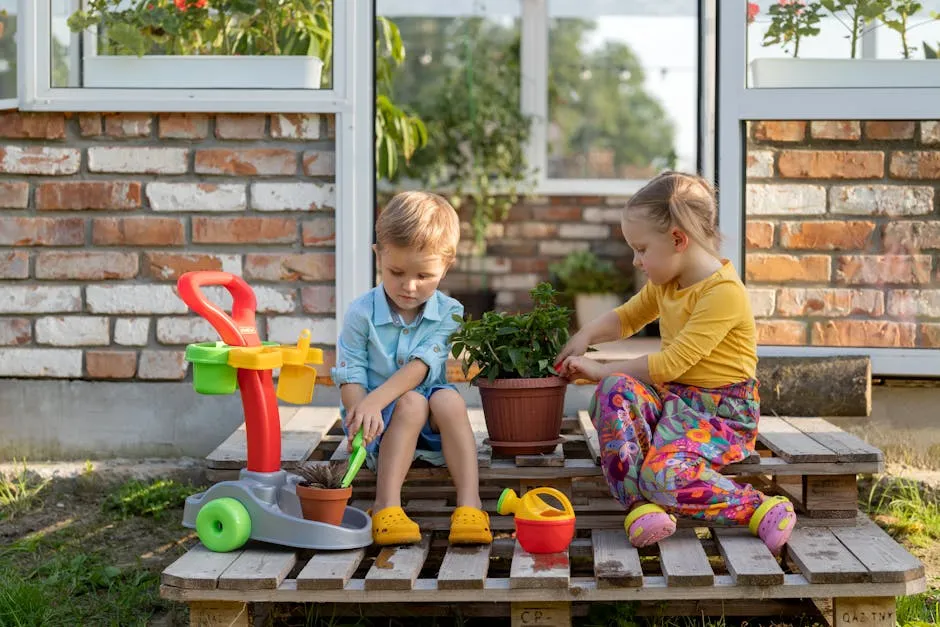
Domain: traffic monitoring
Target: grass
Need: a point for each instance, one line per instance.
(19, 492)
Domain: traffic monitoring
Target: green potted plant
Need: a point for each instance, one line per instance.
(320, 491)
(523, 398)
(206, 43)
(594, 284)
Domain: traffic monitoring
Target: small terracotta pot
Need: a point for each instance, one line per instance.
(523, 416)
(323, 505)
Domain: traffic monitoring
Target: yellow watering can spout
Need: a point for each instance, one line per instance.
(531, 507)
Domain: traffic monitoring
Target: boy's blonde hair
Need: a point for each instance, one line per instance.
(420, 221)
(675, 199)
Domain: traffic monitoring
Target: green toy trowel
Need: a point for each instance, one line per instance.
(356, 459)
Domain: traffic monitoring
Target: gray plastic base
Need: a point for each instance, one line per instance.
(271, 501)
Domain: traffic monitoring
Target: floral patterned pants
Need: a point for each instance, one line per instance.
(666, 443)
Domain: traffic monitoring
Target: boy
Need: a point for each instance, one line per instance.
(391, 369)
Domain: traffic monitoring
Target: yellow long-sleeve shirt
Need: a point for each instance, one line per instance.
(708, 334)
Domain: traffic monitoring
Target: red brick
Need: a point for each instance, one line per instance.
(836, 130)
(885, 130)
(137, 231)
(519, 213)
(86, 266)
(184, 126)
(829, 235)
(529, 265)
(15, 331)
(111, 364)
(829, 302)
(90, 124)
(929, 335)
(787, 131)
(128, 125)
(911, 237)
(919, 164)
(831, 164)
(319, 299)
(305, 267)
(513, 248)
(14, 264)
(96, 195)
(14, 195)
(16, 125)
(331, 126)
(42, 231)
(883, 269)
(534, 230)
(244, 230)
(169, 266)
(868, 333)
(555, 213)
(255, 161)
(760, 234)
(781, 332)
(319, 232)
(319, 163)
(40, 160)
(237, 126)
(785, 268)
(295, 126)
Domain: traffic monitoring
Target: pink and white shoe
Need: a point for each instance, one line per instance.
(648, 524)
(773, 522)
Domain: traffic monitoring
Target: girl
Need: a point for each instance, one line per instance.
(669, 421)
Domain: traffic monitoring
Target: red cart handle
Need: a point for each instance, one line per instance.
(237, 330)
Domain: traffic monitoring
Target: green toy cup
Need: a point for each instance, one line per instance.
(211, 372)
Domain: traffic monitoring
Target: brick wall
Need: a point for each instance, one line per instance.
(843, 232)
(99, 215)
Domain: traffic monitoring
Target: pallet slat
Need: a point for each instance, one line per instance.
(790, 443)
(823, 559)
(683, 560)
(848, 447)
(198, 569)
(302, 434)
(330, 570)
(616, 562)
(480, 434)
(258, 568)
(551, 570)
(590, 435)
(397, 568)
(748, 559)
(233, 451)
(464, 567)
(886, 560)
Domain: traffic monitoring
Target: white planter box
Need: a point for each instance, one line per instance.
(845, 73)
(203, 72)
(589, 307)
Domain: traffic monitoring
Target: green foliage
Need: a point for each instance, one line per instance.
(514, 346)
(583, 272)
(154, 498)
(20, 491)
(789, 23)
(855, 15)
(896, 18)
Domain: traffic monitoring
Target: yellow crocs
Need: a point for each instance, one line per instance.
(469, 525)
(392, 526)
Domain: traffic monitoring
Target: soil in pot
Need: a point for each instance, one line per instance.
(523, 416)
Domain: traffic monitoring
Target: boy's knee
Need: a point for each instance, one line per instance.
(447, 401)
(412, 406)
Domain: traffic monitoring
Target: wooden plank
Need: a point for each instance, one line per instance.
(540, 614)
(397, 568)
(258, 569)
(830, 493)
(683, 560)
(546, 570)
(219, 614)
(301, 435)
(590, 435)
(886, 560)
(867, 611)
(555, 459)
(848, 447)
(747, 558)
(464, 567)
(330, 570)
(790, 443)
(823, 559)
(198, 568)
(233, 452)
(616, 562)
(480, 434)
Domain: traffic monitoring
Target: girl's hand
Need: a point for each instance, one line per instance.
(578, 367)
(368, 416)
(576, 347)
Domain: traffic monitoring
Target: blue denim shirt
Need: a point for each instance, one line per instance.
(375, 342)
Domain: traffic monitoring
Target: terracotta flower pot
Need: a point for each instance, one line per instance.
(323, 505)
(523, 416)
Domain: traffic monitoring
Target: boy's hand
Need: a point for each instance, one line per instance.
(578, 367)
(575, 347)
(368, 415)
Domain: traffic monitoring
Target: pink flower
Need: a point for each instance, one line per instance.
(752, 11)
(185, 5)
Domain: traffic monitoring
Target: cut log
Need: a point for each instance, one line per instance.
(815, 386)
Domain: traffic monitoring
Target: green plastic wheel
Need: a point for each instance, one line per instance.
(223, 525)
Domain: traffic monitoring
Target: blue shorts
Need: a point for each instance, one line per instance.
(429, 447)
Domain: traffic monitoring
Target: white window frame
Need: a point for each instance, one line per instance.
(351, 100)
(738, 103)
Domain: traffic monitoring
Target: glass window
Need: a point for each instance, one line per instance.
(623, 88)
(868, 43)
(223, 44)
(7, 49)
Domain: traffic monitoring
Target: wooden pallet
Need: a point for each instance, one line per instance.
(859, 567)
(808, 459)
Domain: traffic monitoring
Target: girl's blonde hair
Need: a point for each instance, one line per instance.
(420, 221)
(686, 201)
